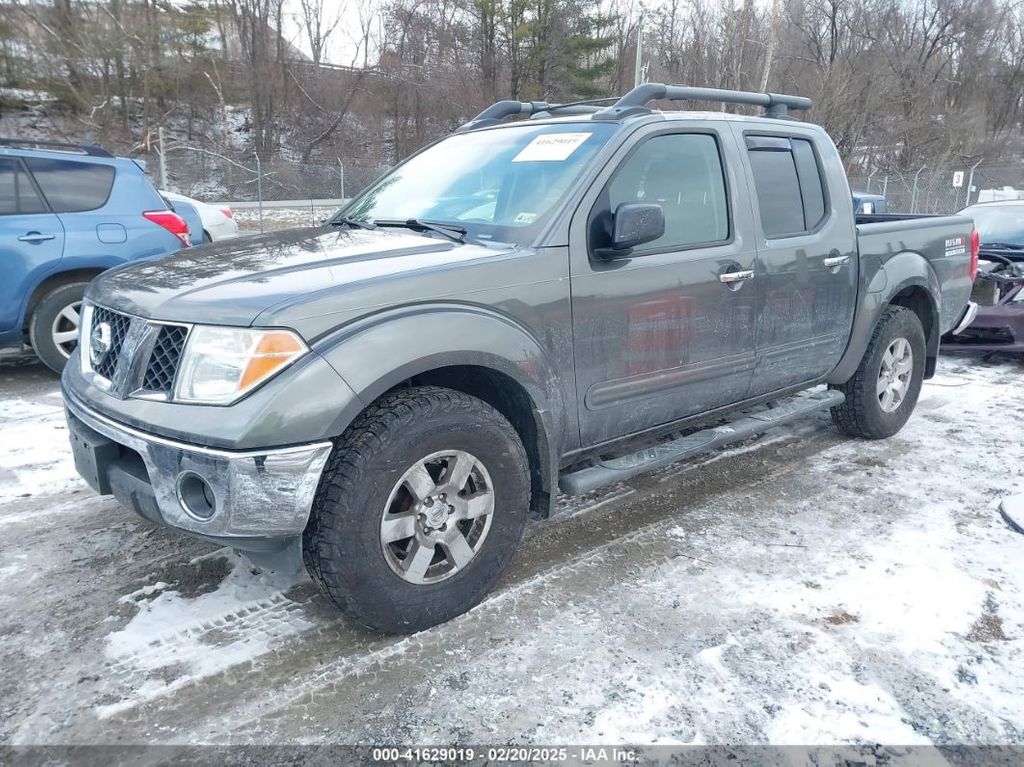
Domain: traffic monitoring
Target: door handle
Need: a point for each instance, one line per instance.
(730, 277)
(834, 262)
(36, 237)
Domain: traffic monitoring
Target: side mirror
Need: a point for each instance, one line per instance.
(633, 224)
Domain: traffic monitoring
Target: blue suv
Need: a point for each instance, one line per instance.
(68, 212)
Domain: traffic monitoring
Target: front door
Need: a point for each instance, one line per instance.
(31, 237)
(667, 331)
(806, 258)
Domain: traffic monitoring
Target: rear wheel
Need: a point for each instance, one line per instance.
(881, 395)
(53, 327)
(420, 509)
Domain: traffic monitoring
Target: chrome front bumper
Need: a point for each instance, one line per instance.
(233, 497)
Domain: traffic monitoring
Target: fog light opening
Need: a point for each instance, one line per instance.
(196, 496)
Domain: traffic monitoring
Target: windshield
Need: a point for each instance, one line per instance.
(498, 184)
(1002, 224)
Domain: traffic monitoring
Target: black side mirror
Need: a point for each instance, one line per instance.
(633, 224)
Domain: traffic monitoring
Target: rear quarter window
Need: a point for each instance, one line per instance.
(811, 189)
(70, 186)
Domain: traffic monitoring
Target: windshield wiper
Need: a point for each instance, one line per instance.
(355, 223)
(1002, 246)
(451, 231)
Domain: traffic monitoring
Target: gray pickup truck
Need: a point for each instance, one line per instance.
(555, 303)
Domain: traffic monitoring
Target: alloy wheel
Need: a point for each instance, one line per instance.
(64, 330)
(894, 374)
(437, 517)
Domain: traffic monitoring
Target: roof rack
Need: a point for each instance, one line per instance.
(64, 146)
(635, 102)
(498, 111)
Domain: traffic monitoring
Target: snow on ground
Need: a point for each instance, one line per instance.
(34, 457)
(168, 618)
(280, 218)
(800, 588)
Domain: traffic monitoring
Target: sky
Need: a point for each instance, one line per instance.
(344, 45)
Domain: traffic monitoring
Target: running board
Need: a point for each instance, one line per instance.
(605, 471)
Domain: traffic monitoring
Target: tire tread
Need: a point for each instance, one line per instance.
(852, 417)
(370, 435)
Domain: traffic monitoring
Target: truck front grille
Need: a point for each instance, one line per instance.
(118, 324)
(163, 361)
(142, 358)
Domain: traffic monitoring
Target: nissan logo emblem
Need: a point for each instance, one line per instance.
(100, 341)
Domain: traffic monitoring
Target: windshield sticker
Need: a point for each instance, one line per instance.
(526, 218)
(553, 147)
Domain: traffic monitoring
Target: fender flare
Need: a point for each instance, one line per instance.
(906, 269)
(380, 351)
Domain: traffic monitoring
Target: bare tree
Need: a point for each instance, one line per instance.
(319, 21)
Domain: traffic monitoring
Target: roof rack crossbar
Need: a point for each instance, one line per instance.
(500, 110)
(567, 109)
(89, 149)
(775, 104)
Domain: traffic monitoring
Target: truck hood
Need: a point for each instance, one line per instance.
(232, 282)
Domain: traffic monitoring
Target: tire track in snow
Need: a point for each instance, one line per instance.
(355, 652)
(262, 626)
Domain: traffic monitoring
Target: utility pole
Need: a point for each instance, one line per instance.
(160, 154)
(638, 72)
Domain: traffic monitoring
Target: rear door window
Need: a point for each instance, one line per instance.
(788, 185)
(71, 186)
(17, 194)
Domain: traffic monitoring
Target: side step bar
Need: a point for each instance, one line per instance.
(605, 471)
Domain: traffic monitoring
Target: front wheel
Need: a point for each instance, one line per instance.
(882, 394)
(53, 327)
(421, 506)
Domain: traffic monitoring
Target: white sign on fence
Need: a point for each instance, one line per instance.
(958, 179)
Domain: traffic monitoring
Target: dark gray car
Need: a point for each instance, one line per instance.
(559, 302)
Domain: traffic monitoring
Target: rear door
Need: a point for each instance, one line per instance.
(78, 189)
(31, 239)
(806, 255)
(658, 335)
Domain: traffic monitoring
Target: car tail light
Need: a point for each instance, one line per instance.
(172, 222)
(975, 247)
(227, 212)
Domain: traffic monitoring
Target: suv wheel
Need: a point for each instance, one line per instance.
(882, 394)
(419, 511)
(53, 327)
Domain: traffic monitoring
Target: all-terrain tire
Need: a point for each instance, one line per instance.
(342, 544)
(862, 414)
(42, 323)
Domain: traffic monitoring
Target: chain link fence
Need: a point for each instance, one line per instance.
(264, 194)
(942, 190)
(276, 194)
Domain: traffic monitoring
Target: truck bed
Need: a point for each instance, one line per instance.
(943, 241)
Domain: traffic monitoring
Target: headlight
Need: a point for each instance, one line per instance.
(219, 365)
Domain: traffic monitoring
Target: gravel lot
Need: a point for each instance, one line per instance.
(798, 588)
